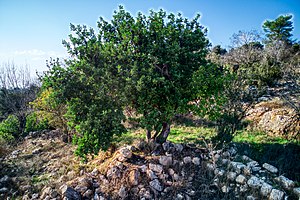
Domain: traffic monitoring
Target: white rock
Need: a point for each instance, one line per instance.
(156, 168)
(143, 168)
(187, 159)
(297, 192)
(265, 189)
(125, 154)
(171, 171)
(225, 189)
(254, 182)
(251, 197)
(179, 196)
(122, 192)
(3, 190)
(166, 146)
(241, 179)
(151, 174)
(165, 160)
(276, 195)
(231, 176)
(95, 172)
(246, 158)
(178, 147)
(270, 168)
(286, 183)
(155, 184)
(196, 161)
(237, 166)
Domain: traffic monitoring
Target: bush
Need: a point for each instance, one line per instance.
(9, 128)
(36, 123)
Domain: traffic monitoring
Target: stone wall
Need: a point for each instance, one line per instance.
(244, 178)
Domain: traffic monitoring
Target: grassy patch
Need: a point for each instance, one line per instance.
(257, 137)
(185, 134)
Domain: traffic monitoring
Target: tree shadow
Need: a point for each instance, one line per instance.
(286, 157)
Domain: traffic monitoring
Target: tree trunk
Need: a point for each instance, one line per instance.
(162, 137)
(148, 135)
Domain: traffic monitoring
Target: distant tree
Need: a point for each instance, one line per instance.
(17, 89)
(279, 29)
(155, 64)
(218, 50)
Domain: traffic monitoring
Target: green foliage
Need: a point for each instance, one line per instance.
(48, 108)
(153, 64)
(36, 123)
(9, 128)
(279, 29)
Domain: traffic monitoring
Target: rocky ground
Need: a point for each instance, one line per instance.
(44, 167)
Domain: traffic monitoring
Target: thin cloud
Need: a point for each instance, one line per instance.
(37, 54)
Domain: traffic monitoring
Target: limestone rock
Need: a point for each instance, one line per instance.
(251, 197)
(122, 192)
(151, 174)
(187, 160)
(71, 194)
(156, 168)
(166, 146)
(237, 166)
(231, 176)
(254, 182)
(276, 195)
(165, 160)
(125, 154)
(134, 176)
(270, 168)
(196, 161)
(95, 172)
(265, 189)
(285, 182)
(155, 184)
(3, 190)
(296, 191)
(88, 194)
(178, 147)
(241, 179)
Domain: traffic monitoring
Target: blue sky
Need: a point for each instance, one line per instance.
(31, 31)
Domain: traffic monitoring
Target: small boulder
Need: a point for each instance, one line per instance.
(125, 154)
(241, 179)
(265, 189)
(187, 160)
(156, 168)
(165, 160)
(196, 160)
(270, 168)
(178, 147)
(296, 191)
(70, 193)
(285, 182)
(231, 176)
(122, 192)
(276, 195)
(134, 176)
(155, 184)
(254, 182)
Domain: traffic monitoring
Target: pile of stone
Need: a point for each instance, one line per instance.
(132, 175)
(244, 178)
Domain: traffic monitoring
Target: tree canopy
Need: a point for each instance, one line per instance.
(279, 29)
(155, 65)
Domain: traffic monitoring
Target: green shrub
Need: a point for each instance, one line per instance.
(9, 128)
(36, 123)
